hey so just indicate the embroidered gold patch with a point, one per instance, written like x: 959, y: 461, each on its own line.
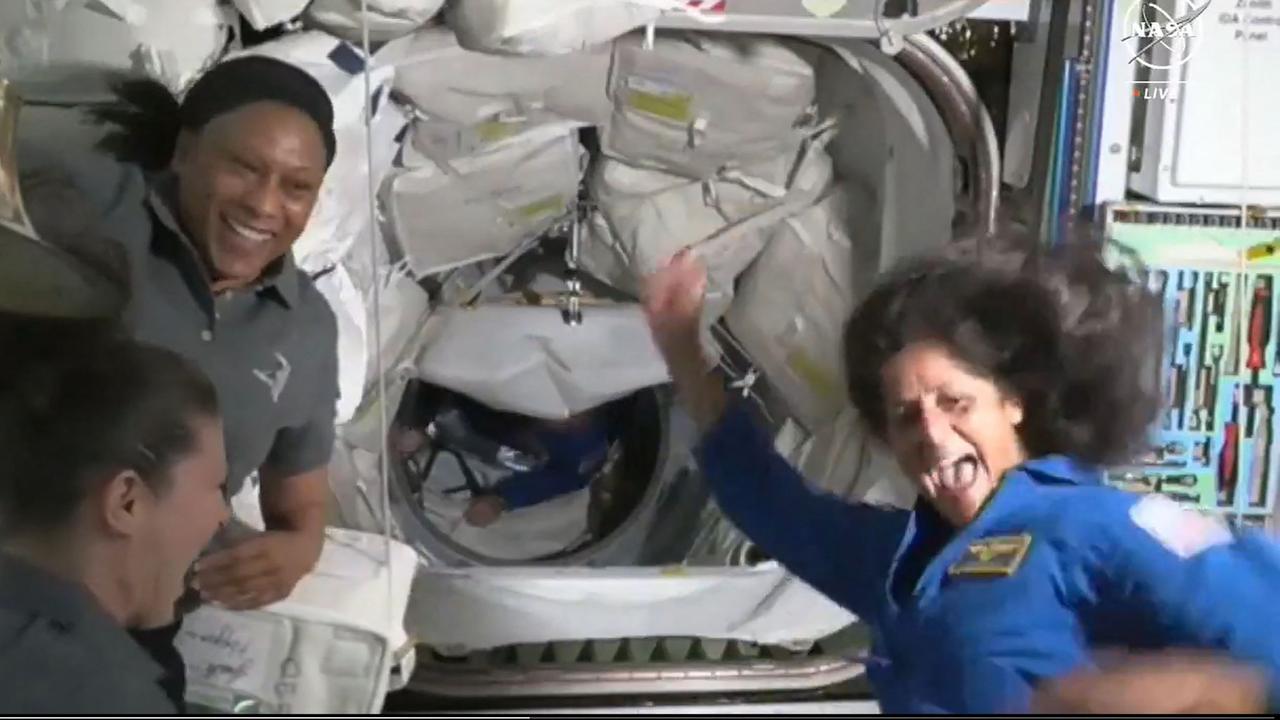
x: 993, y: 556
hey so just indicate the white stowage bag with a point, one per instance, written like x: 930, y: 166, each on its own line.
x: 263, y: 14
x: 843, y: 458
x: 349, y: 312
x: 403, y: 305
x: 448, y: 214
x: 646, y: 216
x: 387, y: 19
x: 466, y: 101
x: 547, y: 27
x: 694, y: 104
x: 792, y: 304
x: 172, y: 42
x: 330, y: 648
x: 525, y: 359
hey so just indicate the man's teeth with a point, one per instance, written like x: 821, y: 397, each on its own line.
x: 248, y: 232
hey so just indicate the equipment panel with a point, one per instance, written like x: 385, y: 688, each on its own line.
x: 1217, y: 273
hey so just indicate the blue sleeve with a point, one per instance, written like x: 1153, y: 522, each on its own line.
x: 1199, y: 585
x: 573, y: 456
x: 521, y: 490
x: 841, y: 549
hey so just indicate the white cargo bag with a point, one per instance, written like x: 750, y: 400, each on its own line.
x: 348, y: 308
x: 792, y: 304
x: 480, y: 99
x: 525, y: 359
x: 341, y: 220
x: 694, y: 104
x: 448, y: 214
x: 843, y: 458
x: 403, y: 305
x: 646, y: 216
x: 552, y: 27
x: 387, y: 19
x: 263, y: 14
x: 330, y: 648
x: 546, y: 27
x: 172, y: 42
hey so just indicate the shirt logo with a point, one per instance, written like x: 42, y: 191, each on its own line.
x: 993, y: 556
x: 275, y: 379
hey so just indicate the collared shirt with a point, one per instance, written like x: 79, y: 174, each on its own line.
x: 60, y: 653
x: 271, y: 349
x: 1056, y: 565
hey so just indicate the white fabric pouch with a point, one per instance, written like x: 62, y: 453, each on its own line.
x: 448, y: 214
x: 679, y: 106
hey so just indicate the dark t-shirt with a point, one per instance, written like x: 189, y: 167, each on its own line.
x: 60, y: 653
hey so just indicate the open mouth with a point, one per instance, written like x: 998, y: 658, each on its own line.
x: 957, y: 474
x: 247, y: 235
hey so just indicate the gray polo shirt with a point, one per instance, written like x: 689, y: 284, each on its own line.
x: 271, y: 349
x: 60, y: 653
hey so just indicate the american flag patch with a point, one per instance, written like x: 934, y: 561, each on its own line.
x: 1185, y: 533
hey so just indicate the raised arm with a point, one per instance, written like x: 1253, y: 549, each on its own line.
x: 841, y: 549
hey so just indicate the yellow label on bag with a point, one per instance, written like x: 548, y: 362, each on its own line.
x: 493, y: 131
x: 659, y: 99
x: 548, y: 206
x: 667, y: 107
x: 812, y: 374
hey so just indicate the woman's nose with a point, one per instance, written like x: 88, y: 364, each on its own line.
x: 935, y: 431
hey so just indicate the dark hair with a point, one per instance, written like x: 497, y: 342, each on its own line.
x: 80, y: 403
x: 144, y: 123
x: 1076, y: 341
x: 147, y: 119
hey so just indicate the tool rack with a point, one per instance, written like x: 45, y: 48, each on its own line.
x: 1216, y: 271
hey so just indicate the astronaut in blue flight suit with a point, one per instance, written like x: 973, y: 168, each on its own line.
x: 1000, y: 393
x: 574, y: 450
x: 564, y: 454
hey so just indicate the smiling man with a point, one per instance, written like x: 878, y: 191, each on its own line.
x: 229, y: 179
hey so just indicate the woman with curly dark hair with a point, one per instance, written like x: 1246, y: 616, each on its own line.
x: 1001, y: 393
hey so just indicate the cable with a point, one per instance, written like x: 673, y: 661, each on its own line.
x: 383, y: 424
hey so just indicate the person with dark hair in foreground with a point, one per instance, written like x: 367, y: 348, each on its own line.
x: 207, y: 196
x: 1001, y: 393
x: 112, y: 482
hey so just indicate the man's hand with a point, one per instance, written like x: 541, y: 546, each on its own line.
x: 484, y: 510
x: 257, y: 571
x: 1170, y: 683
